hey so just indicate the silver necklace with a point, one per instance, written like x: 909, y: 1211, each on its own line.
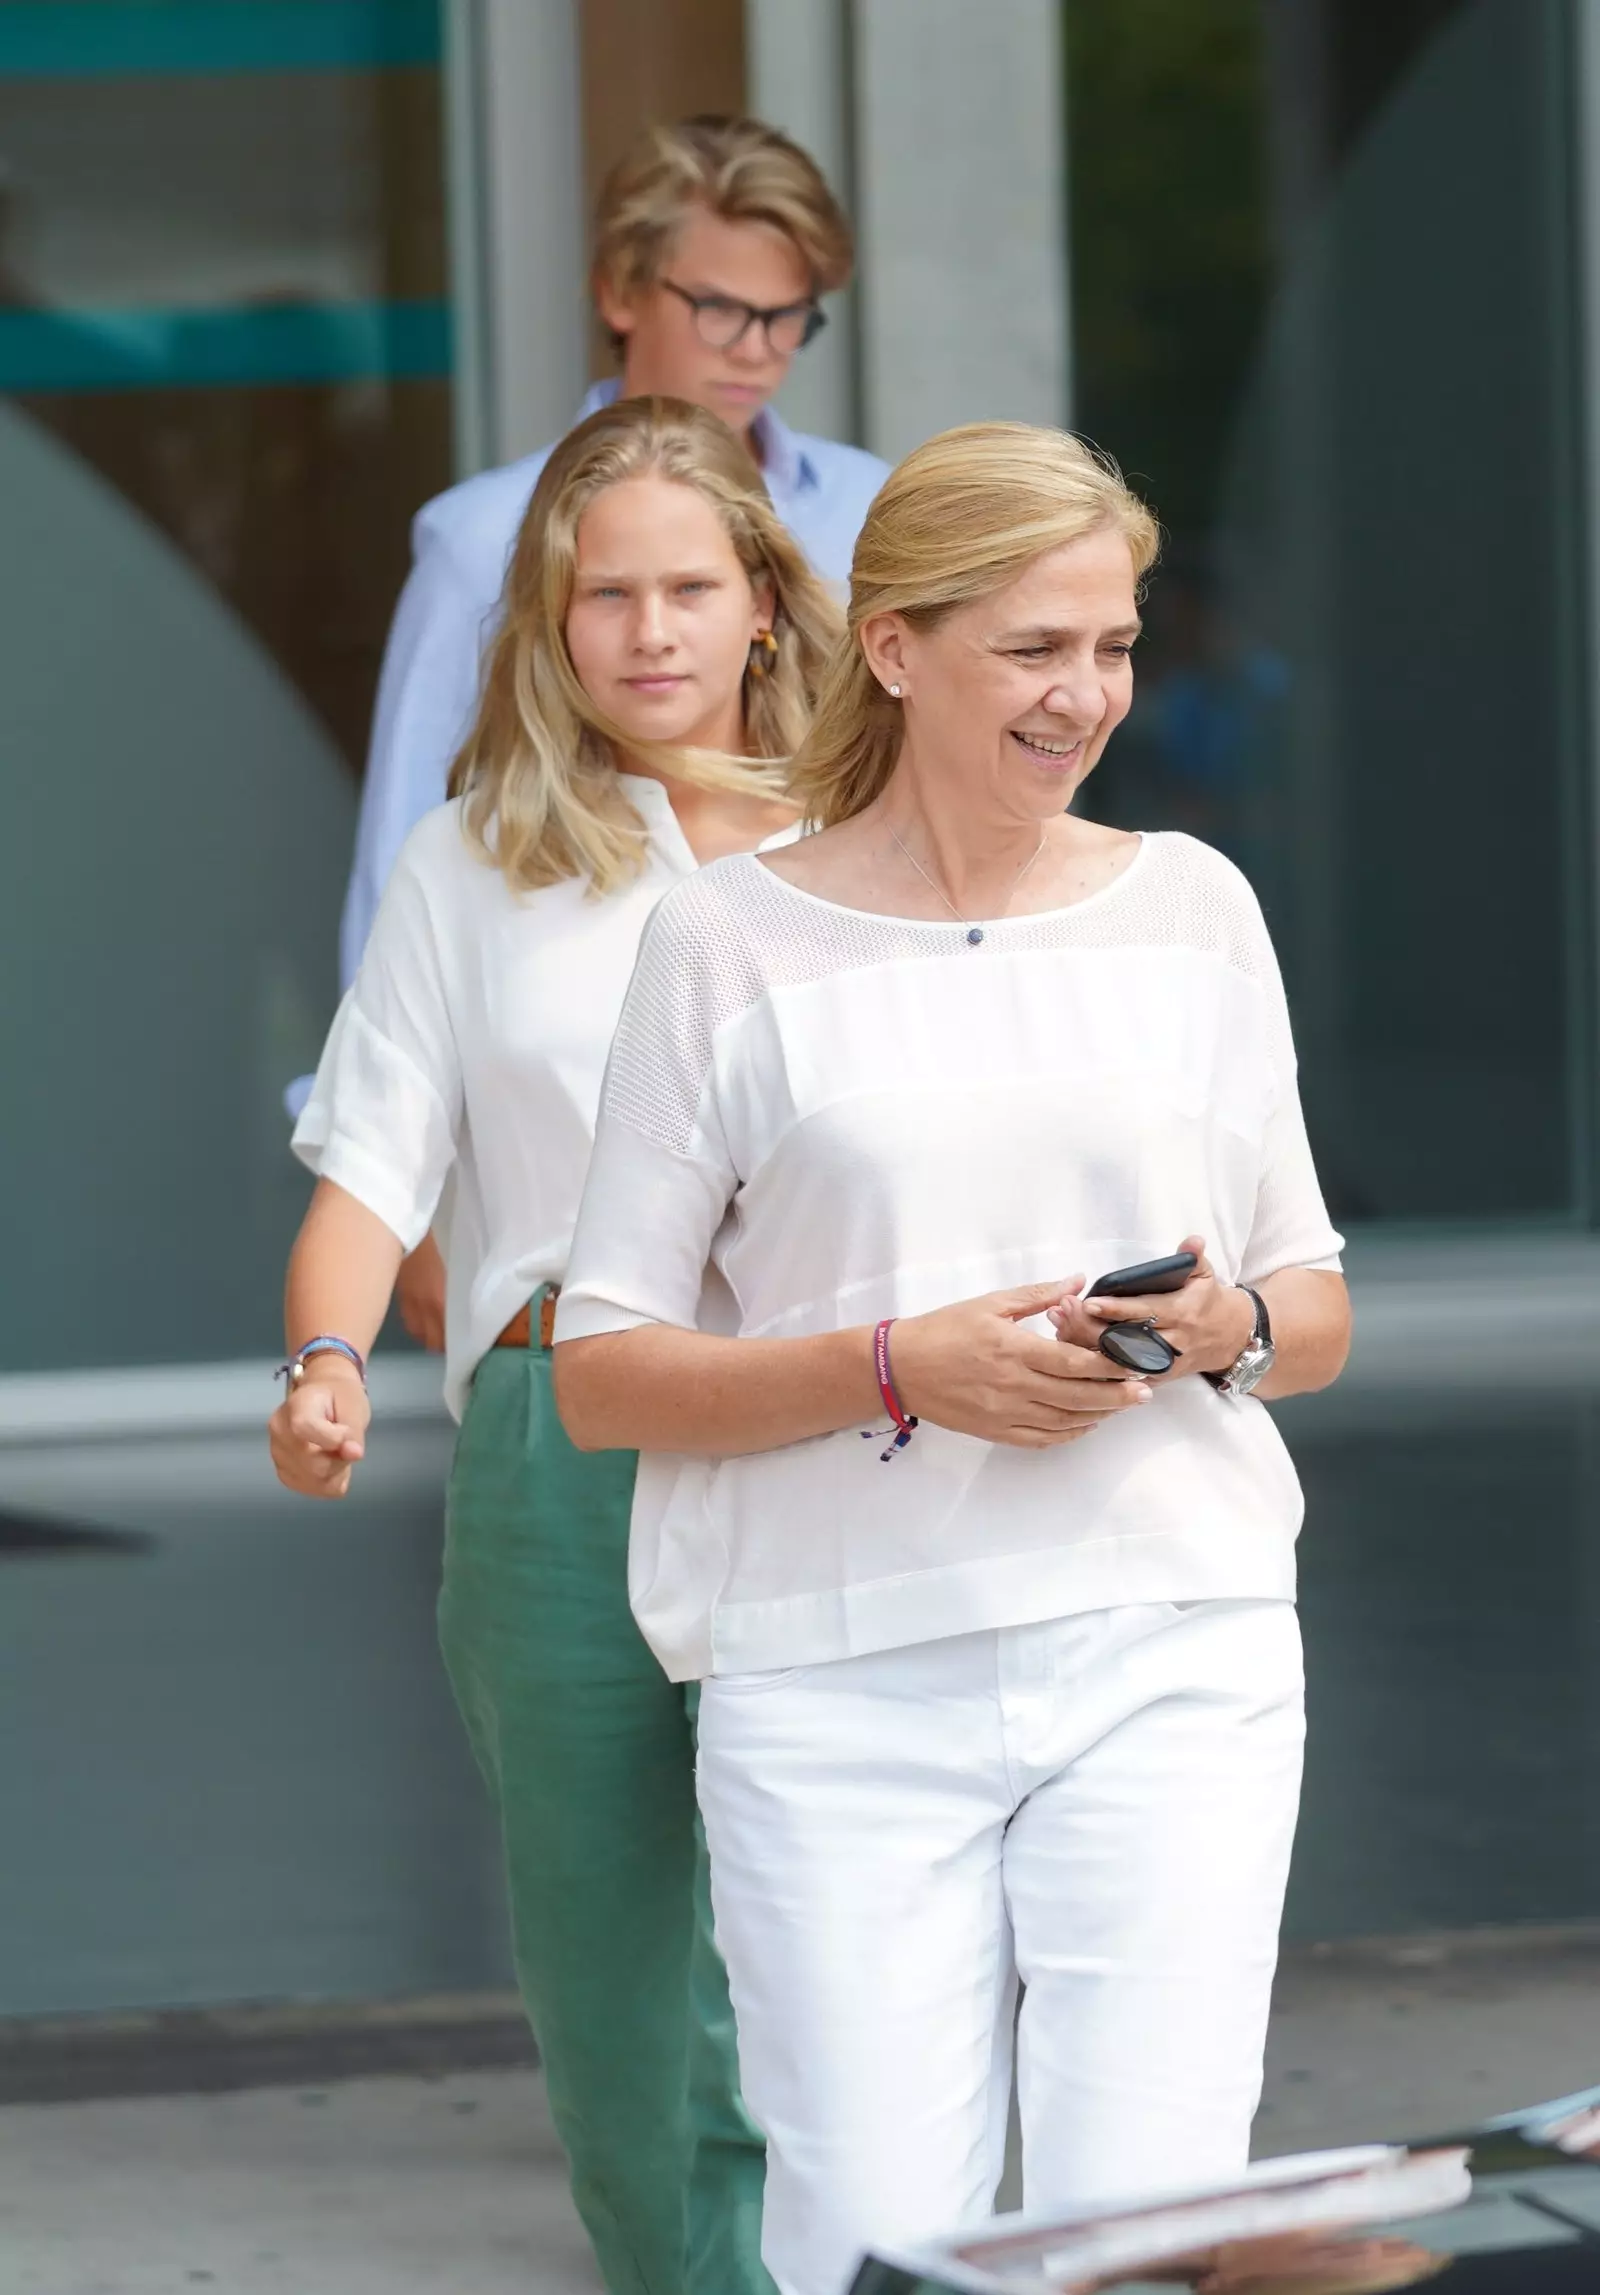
x: 974, y: 931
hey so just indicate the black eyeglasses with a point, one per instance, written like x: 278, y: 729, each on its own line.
x: 721, y: 322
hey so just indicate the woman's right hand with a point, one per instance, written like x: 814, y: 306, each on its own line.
x: 318, y: 1431
x: 972, y: 1368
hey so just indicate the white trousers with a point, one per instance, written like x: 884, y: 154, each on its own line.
x: 1101, y: 1806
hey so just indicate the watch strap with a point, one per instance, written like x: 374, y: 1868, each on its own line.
x: 1260, y: 1336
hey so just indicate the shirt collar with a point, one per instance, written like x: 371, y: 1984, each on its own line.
x: 785, y: 464
x: 665, y: 830
x: 650, y: 800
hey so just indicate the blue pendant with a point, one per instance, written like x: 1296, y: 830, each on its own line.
x: 974, y: 935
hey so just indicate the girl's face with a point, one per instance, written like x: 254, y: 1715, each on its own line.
x: 663, y: 615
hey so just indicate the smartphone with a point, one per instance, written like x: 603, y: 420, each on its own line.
x: 1152, y: 1275
x: 1139, y: 1346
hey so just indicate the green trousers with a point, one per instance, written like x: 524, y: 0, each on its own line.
x: 588, y: 1751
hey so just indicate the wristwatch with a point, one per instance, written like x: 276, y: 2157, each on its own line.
x: 1255, y: 1359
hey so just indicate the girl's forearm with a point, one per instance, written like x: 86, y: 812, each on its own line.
x: 341, y: 1272
x: 660, y: 1388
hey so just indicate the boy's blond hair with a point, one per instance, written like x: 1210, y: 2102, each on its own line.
x: 738, y: 169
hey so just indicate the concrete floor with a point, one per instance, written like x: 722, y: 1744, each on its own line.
x: 454, y: 2185
x: 374, y: 2187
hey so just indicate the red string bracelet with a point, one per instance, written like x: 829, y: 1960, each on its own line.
x: 905, y: 1426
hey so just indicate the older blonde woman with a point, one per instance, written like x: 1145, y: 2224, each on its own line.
x: 1012, y: 1688
x: 662, y: 638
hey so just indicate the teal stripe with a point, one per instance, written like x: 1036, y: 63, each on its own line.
x: 288, y: 342
x: 81, y: 39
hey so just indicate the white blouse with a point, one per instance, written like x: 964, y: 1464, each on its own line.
x: 471, y: 1044
x: 853, y: 1116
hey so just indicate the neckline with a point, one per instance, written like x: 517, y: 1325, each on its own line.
x: 954, y: 925
x: 661, y: 824
x: 664, y: 828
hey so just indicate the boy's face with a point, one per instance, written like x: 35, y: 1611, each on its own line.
x: 664, y: 346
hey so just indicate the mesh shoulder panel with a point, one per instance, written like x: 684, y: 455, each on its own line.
x: 728, y: 934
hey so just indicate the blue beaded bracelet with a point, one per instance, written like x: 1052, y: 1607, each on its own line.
x: 294, y: 1370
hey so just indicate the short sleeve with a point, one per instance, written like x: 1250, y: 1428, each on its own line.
x: 383, y: 1114
x: 661, y: 1177
x: 1290, y: 1226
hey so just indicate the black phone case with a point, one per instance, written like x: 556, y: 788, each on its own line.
x: 1151, y: 1276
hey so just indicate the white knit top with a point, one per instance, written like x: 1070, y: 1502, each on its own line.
x: 853, y: 1116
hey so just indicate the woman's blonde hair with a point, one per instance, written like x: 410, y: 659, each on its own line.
x: 538, y: 769
x: 961, y: 517
x: 739, y: 169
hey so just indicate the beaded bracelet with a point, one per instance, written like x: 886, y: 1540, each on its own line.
x: 904, y: 1421
x: 294, y: 1370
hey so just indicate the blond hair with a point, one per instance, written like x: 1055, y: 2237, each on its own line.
x: 960, y: 518
x: 538, y: 770
x: 741, y: 170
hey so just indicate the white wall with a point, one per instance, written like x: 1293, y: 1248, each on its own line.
x: 960, y: 171
x: 798, y: 74
x: 518, y: 226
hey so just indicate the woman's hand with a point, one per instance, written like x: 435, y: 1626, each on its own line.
x: 1209, y: 1323
x: 318, y: 1432
x: 419, y: 1295
x: 972, y: 1368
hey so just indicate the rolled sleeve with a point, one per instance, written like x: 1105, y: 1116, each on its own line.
x: 375, y: 1126
x: 643, y: 1239
x: 1290, y: 1226
x: 384, y: 1110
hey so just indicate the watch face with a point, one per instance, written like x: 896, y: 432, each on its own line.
x: 1251, y: 1368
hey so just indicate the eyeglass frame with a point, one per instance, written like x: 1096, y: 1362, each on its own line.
x: 754, y: 315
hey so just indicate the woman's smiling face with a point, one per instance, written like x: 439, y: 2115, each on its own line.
x: 1014, y: 697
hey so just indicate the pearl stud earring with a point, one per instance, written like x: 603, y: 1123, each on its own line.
x: 894, y: 693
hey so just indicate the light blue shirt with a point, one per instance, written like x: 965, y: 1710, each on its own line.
x: 461, y: 545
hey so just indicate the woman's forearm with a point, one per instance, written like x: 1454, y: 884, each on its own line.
x: 341, y: 1271
x: 1310, y: 1311
x: 660, y: 1388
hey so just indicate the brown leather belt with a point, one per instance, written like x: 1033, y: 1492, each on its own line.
x: 519, y: 1331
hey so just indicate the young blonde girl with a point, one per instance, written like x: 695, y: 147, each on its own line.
x: 662, y: 642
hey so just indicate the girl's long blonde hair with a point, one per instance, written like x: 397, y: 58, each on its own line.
x: 538, y: 770
x: 961, y: 517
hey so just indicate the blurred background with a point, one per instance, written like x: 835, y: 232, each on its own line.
x: 1325, y: 277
